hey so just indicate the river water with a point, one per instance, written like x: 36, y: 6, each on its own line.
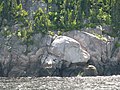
x: 61, y: 83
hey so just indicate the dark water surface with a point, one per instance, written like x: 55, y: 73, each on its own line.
x: 61, y: 83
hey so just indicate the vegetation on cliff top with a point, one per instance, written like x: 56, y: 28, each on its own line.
x: 57, y: 15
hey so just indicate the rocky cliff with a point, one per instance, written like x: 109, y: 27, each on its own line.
x: 65, y: 55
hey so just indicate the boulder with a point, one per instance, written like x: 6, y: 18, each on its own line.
x: 98, y: 48
x: 95, y: 46
x: 90, y: 70
x: 69, y: 50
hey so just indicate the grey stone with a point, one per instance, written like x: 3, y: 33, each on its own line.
x: 57, y: 54
x: 99, y: 49
x: 68, y: 49
x: 90, y: 70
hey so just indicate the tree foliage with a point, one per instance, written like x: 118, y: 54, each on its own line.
x: 61, y: 15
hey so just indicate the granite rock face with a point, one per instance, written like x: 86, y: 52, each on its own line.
x: 100, y: 50
x: 65, y: 55
x: 92, y: 44
x: 69, y: 50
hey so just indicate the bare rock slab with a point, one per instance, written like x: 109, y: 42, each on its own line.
x: 68, y: 49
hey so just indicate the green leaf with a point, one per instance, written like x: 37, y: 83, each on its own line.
x: 19, y: 34
x: 49, y: 1
x: 1, y: 7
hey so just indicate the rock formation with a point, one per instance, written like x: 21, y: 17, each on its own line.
x: 64, y: 55
x: 90, y: 70
x: 69, y: 50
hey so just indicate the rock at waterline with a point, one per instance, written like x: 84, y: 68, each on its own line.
x: 90, y: 70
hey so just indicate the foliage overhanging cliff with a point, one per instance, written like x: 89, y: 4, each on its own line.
x: 57, y: 15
